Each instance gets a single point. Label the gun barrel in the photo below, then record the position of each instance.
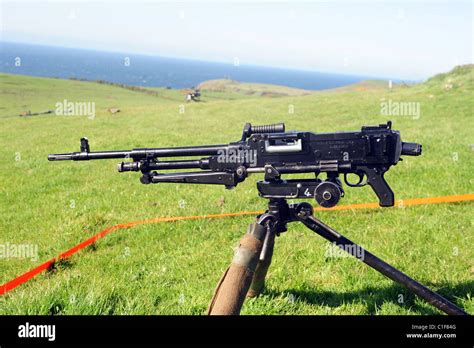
(207, 150)
(60, 157)
(84, 156)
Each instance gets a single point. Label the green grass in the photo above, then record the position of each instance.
(172, 268)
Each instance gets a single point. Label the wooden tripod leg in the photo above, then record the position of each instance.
(258, 281)
(230, 292)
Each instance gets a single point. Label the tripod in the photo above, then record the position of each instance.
(246, 274)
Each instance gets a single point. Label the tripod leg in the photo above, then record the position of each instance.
(230, 292)
(258, 281)
(306, 217)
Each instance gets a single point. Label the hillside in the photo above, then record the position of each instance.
(172, 268)
(461, 77)
(363, 86)
(250, 89)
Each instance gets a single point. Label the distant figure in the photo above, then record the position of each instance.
(194, 96)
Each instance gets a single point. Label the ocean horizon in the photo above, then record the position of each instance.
(153, 71)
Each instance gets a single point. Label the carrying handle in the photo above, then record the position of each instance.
(269, 128)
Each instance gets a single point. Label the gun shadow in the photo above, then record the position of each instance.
(374, 297)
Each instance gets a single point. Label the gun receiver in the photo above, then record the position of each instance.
(368, 153)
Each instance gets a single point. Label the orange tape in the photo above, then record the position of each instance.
(46, 265)
(406, 202)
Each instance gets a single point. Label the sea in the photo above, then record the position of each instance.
(152, 71)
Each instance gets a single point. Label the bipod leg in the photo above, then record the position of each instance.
(304, 213)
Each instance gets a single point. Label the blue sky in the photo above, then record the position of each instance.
(399, 39)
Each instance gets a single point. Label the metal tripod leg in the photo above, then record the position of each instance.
(231, 290)
(304, 213)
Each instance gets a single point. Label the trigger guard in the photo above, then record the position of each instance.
(359, 183)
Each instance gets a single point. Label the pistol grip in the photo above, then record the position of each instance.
(376, 180)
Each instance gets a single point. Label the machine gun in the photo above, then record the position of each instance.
(368, 154)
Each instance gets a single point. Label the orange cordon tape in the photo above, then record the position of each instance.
(48, 264)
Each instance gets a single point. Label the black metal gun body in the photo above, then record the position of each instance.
(368, 153)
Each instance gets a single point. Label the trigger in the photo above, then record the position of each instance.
(359, 183)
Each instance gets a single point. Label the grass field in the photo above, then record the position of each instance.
(172, 268)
